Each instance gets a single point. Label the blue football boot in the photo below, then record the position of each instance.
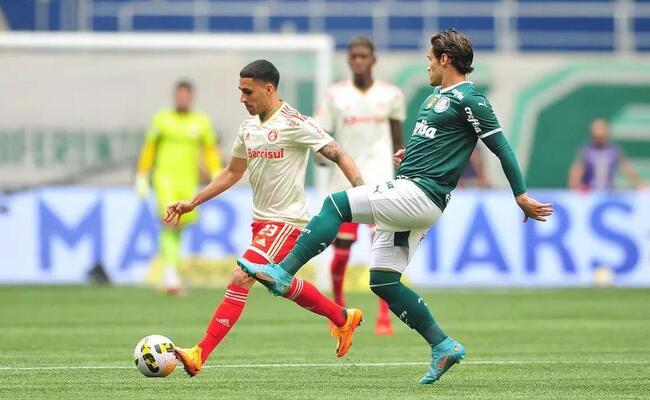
(443, 356)
(277, 280)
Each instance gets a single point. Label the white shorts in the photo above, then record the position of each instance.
(403, 214)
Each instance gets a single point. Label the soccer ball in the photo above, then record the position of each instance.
(154, 356)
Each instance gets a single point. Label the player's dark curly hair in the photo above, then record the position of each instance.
(261, 70)
(457, 47)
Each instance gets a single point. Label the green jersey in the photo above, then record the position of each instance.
(449, 123)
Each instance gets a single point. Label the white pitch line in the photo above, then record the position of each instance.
(342, 365)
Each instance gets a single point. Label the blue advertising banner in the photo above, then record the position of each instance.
(55, 235)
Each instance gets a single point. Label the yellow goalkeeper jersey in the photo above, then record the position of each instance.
(178, 139)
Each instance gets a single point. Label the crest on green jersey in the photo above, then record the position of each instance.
(432, 101)
(442, 105)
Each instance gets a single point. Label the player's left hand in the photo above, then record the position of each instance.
(175, 210)
(533, 208)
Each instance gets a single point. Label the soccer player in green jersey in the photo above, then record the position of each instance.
(449, 123)
(177, 139)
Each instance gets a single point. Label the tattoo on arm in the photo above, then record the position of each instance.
(332, 151)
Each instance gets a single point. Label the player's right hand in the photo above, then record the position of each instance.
(398, 157)
(175, 210)
(142, 187)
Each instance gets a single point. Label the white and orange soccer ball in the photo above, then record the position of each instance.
(154, 356)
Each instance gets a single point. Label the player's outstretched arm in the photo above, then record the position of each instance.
(222, 182)
(481, 119)
(333, 152)
(498, 144)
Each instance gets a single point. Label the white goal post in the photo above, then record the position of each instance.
(79, 100)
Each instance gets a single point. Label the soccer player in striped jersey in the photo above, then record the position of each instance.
(170, 152)
(365, 117)
(273, 144)
(449, 124)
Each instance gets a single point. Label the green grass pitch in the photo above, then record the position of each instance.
(77, 342)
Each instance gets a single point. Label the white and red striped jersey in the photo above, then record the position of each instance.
(360, 123)
(277, 152)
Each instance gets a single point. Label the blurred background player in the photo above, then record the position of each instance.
(596, 163)
(365, 116)
(273, 145)
(175, 143)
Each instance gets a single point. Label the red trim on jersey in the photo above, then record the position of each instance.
(291, 112)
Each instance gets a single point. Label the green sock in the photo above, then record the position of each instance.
(170, 247)
(319, 232)
(406, 305)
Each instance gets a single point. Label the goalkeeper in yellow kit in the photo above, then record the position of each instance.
(175, 143)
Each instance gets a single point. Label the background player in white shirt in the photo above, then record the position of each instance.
(273, 144)
(365, 116)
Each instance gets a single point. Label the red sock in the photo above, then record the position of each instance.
(337, 268)
(384, 311)
(308, 297)
(224, 318)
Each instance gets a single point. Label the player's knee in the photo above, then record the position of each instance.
(328, 206)
(384, 283)
(337, 204)
(343, 243)
(239, 278)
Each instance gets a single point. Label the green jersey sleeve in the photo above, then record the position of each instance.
(483, 121)
(499, 146)
(480, 117)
